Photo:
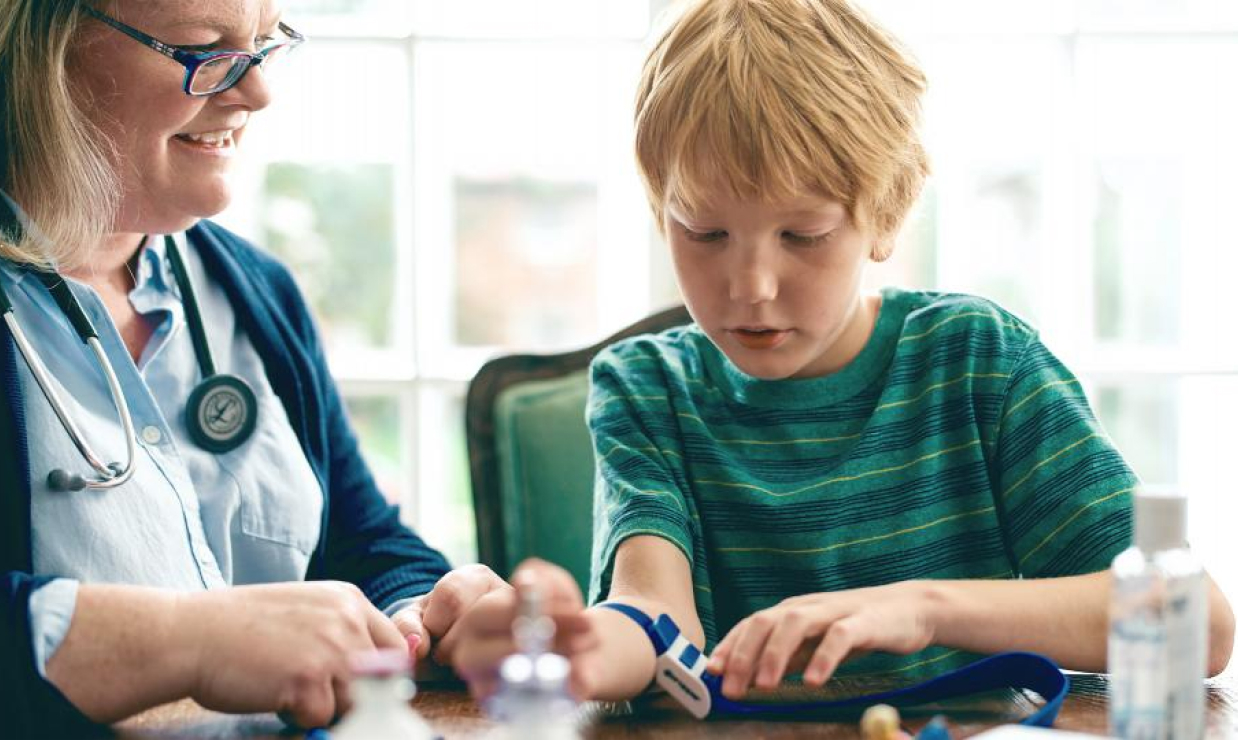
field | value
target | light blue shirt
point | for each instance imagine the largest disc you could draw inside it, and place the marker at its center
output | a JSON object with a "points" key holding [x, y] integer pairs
{"points": [[188, 520]]}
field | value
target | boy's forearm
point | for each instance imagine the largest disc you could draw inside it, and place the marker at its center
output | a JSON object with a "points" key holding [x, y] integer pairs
{"points": [[625, 652], [1065, 618]]}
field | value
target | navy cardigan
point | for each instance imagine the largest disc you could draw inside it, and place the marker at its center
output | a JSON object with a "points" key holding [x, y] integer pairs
{"points": [[362, 540]]}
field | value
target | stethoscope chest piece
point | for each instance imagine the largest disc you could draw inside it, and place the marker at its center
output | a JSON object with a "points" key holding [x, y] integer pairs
{"points": [[221, 413]]}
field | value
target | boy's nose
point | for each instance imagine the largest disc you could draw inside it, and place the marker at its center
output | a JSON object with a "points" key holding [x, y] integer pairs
{"points": [[754, 284]]}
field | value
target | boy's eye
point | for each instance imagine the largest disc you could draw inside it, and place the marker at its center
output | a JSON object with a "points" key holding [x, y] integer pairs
{"points": [[806, 240], [704, 236]]}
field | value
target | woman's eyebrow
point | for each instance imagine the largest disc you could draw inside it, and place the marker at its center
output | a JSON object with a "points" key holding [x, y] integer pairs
{"points": [[221, 25]]}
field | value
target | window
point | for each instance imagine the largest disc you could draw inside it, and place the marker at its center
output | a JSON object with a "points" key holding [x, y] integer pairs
{"points": [[450, 180]]}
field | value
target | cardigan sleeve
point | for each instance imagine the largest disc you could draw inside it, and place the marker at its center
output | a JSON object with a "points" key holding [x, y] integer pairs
{"points": [[30, 706]]}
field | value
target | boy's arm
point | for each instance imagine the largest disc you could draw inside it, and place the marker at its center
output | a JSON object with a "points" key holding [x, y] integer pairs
{"points": [[1064, 618], [653, 575]]}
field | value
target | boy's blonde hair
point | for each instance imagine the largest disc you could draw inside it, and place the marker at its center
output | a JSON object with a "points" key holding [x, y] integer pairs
{"points": [[53, 161], [778, 98]]}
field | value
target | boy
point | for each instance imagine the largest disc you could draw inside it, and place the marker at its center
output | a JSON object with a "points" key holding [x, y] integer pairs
{"points": [[809, 475]]}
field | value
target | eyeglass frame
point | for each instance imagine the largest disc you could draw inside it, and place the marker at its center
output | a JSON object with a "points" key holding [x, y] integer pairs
{"points": [[193, 60]]}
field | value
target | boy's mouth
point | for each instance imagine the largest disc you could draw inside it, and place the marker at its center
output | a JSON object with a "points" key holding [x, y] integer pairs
{"points": [[759, 337]]}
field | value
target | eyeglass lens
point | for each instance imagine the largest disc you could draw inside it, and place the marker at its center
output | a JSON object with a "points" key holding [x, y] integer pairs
{"points": [[223, 72]]}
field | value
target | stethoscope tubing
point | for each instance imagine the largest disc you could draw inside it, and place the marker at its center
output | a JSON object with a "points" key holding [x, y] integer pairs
{"points": [[112, 474]]}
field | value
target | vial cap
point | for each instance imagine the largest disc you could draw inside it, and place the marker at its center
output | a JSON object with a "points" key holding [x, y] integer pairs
{"points": [[1160, 520]]}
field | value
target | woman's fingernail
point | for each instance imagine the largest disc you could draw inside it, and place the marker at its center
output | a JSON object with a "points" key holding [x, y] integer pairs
{"points": [[414, 642]]}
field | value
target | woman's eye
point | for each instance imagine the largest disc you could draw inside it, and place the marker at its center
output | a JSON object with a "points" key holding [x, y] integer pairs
{"points": [[805, 240]]}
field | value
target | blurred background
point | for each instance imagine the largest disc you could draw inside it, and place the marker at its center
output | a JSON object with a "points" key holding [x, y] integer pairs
{"points": [[451, 180]]}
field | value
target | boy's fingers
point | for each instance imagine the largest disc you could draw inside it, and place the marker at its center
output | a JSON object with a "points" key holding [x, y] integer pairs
{"points": [[784, 640], [744, 656], [839, 640]]}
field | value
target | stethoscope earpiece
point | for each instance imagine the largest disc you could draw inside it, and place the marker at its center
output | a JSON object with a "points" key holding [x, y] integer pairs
{"points": [[63, 481]]}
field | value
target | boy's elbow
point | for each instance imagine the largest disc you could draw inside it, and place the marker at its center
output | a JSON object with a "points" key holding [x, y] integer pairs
{"points": [[1220, 632]]}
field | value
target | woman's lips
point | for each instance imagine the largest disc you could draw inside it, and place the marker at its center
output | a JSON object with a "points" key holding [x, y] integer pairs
{"points": [[760, 338]]}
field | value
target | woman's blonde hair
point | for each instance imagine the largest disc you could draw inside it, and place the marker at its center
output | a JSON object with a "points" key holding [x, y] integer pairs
{"points": [[778, 98], [53, 161]]}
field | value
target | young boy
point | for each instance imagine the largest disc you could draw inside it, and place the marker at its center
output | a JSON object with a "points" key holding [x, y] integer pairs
{"points": [[809, 475]]}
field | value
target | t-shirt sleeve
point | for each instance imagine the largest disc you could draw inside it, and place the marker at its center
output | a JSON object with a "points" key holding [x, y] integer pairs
{"points": [[1063, 488], [638, 487]]}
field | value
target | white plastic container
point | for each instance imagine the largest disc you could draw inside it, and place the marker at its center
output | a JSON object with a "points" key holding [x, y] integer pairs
{"points": [[381, 690], [1158, 628]]}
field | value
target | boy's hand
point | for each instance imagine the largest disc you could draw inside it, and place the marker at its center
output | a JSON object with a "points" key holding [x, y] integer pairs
{"points": [[483, 637], [434, 617], [817, 632]]}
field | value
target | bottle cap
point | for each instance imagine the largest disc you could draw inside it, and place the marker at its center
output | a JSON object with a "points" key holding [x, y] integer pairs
{"points": [[1160, 520]]}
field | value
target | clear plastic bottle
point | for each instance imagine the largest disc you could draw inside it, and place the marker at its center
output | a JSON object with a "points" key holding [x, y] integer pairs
{"points": [[381, 690], [533, 702], [1158, 628]]}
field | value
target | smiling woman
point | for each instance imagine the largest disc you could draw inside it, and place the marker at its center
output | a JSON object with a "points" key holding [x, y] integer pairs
{"points": [[169, 376]]}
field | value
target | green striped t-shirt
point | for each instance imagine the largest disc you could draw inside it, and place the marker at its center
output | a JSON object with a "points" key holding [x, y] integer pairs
{"points": [[955, 445]]}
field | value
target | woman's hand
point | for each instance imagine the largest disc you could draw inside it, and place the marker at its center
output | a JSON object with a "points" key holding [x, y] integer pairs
{"points": [[434, 617], [279, 647], [483, 637], [817, 632]]}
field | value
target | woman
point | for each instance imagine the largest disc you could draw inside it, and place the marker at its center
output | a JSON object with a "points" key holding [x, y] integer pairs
{"points": [[151, 545]]}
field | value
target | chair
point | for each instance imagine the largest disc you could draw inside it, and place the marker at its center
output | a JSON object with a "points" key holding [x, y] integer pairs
{"points": [[530, 456]]}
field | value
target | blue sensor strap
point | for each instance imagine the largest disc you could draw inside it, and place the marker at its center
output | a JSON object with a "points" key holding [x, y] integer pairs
{"points": [[681, 672]]}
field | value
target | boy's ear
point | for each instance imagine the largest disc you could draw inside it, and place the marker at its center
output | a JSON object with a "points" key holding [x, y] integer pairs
{"points": [[883, 247]]}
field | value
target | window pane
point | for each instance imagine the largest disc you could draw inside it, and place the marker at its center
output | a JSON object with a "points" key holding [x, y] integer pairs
{"points": [[991, 131], [1138, 251], [531, 230], [318, 18], [524, 249], [334, 227], [532, 18], [445, 498], [1142, 417], [379, 424]]}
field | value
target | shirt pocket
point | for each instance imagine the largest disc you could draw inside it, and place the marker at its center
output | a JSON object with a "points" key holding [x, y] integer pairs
{"points": [[280, 498]]}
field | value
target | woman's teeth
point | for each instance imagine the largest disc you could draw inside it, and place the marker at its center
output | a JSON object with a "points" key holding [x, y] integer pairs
{"points": [[216, 139]]}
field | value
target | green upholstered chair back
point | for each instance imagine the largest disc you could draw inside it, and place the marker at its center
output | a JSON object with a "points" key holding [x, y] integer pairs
{"points": [[530, 456]]}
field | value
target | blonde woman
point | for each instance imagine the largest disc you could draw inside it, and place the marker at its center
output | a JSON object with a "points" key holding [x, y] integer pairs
{"points": [[175, 461]]}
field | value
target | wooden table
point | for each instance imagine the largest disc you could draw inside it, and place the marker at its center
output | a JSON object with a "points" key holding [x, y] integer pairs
{"points": [[450, 710]]}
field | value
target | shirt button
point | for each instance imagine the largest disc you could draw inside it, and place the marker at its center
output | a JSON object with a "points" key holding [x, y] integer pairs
{"points": [[152, 435]]}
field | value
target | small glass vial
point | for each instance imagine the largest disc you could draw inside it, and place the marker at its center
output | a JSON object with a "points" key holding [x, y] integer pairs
{"points": [[533, 702], [1158, 628], [380, 691]]}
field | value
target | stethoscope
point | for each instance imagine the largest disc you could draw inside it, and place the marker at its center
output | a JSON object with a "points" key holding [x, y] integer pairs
{"points": [[220, 414]]}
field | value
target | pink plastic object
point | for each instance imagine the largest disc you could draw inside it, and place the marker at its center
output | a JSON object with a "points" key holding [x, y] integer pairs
{"points": [[377, 663]]}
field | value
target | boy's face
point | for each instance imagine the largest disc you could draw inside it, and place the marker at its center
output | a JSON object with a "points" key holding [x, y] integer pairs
{"points": [[776, 286]]}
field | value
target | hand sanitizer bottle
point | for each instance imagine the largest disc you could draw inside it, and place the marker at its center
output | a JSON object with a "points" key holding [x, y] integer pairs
{"points": [[532, 702], [1158, 628], [381, 690]]}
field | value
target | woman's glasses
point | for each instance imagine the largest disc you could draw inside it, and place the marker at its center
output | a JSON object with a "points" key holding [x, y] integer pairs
{"points": [[208, 72]]}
